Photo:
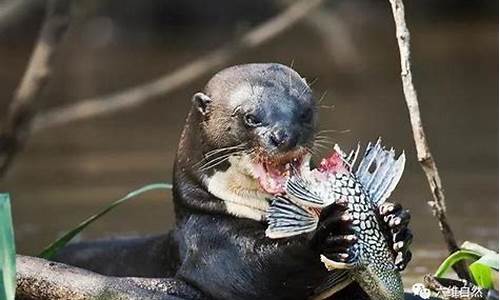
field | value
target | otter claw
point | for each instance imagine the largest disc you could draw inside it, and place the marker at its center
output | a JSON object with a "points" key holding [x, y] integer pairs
{"points": [[402, 260], [398, 246], [395, 222]]}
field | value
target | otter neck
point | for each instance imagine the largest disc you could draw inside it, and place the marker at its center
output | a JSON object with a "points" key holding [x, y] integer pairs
{"points": [[226, 190]]}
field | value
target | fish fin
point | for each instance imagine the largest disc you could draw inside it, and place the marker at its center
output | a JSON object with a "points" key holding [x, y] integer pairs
{"points": [[368, 158], [337, 149], [285, 218], [353, 156], [348, 159], [379, 171], [398, 169], [298, 190], [336, 281]]}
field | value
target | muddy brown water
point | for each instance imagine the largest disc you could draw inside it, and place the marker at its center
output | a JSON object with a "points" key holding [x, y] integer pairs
{"points": [[67, 173]]}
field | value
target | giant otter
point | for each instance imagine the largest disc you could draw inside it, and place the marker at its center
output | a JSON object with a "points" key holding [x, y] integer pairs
{"points": [[250, 124]]}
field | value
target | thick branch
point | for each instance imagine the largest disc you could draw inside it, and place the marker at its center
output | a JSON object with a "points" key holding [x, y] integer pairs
{"points": [[39, 279], [38, 72], [137, 95], [444, 286], [337, 39], [423, 151], [335, 36], [16, 12]]}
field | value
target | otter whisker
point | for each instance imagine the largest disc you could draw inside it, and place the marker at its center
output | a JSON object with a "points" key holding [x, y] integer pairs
{"points": [[334, 131], [322, 136], [313, 151], [228, 147], [218, 150], [308, 85], [318, 145], [324, 140], [321, 148], [313, 82], [324, 143], [218, 155], [327, 106], [206, 160], [214, 164], [221, 151], [218, 160], [290, 75], [322, 96]]}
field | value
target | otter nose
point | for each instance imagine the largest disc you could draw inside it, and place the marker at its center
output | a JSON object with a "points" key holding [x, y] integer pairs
{"points": [[283, 139]]}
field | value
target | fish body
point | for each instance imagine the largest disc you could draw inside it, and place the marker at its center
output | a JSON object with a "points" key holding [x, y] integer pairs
{"points": [[364, 188]]}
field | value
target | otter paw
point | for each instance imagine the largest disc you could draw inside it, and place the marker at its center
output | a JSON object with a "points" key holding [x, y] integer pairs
{"points": [[395, 221], [334, 238]]}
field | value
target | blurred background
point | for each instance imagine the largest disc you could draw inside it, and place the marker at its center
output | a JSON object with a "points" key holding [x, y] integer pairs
{"points": [[346, 47]]}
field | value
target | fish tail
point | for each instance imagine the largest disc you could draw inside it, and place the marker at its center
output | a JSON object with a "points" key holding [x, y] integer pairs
{"points": [[381, 284]]}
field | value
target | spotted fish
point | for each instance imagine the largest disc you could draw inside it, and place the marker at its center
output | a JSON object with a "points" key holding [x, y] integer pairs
{"points": [[364, 187]]}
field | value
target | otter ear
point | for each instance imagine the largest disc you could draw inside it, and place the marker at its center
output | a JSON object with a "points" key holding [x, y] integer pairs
{"points": [[201, 101]]}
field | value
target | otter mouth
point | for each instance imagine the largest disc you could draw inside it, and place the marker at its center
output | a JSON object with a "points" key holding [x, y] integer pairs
{"points": [[272, 171]]}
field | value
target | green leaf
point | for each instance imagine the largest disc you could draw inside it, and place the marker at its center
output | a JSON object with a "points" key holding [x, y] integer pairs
{"points": [[481, 269], [455, 257], [485, 260], [7, 251], [482, 274], [488, 257], [52, 249]]}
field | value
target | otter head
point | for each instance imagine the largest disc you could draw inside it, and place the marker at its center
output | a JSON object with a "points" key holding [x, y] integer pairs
{"points": [[255, 122]]}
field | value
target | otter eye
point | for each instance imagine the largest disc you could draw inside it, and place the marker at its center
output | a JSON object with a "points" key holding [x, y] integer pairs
{"points": [[252, 120], [306, 115]]}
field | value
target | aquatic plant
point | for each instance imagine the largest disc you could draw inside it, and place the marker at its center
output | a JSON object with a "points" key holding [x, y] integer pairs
{"points": [[484, 263], [52, 249], [7, 251]]}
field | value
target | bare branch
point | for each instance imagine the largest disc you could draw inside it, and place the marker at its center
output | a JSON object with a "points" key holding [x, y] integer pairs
{"points": [[40, 279], [137, 95], [334, 35], [423, 151], [336, 38], [38, 72], [442, 286]]}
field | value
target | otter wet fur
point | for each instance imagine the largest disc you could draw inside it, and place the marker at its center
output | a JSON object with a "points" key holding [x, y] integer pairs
{"points": [[248, 126], [364, 187]]}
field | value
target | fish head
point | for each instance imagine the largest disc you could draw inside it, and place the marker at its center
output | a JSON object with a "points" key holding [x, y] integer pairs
{"points": [[332, 164]]}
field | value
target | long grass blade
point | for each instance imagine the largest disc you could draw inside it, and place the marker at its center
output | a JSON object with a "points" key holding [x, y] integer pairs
{"points": [[52, 249], [7, 251], [485, 261], [454, 258]]}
